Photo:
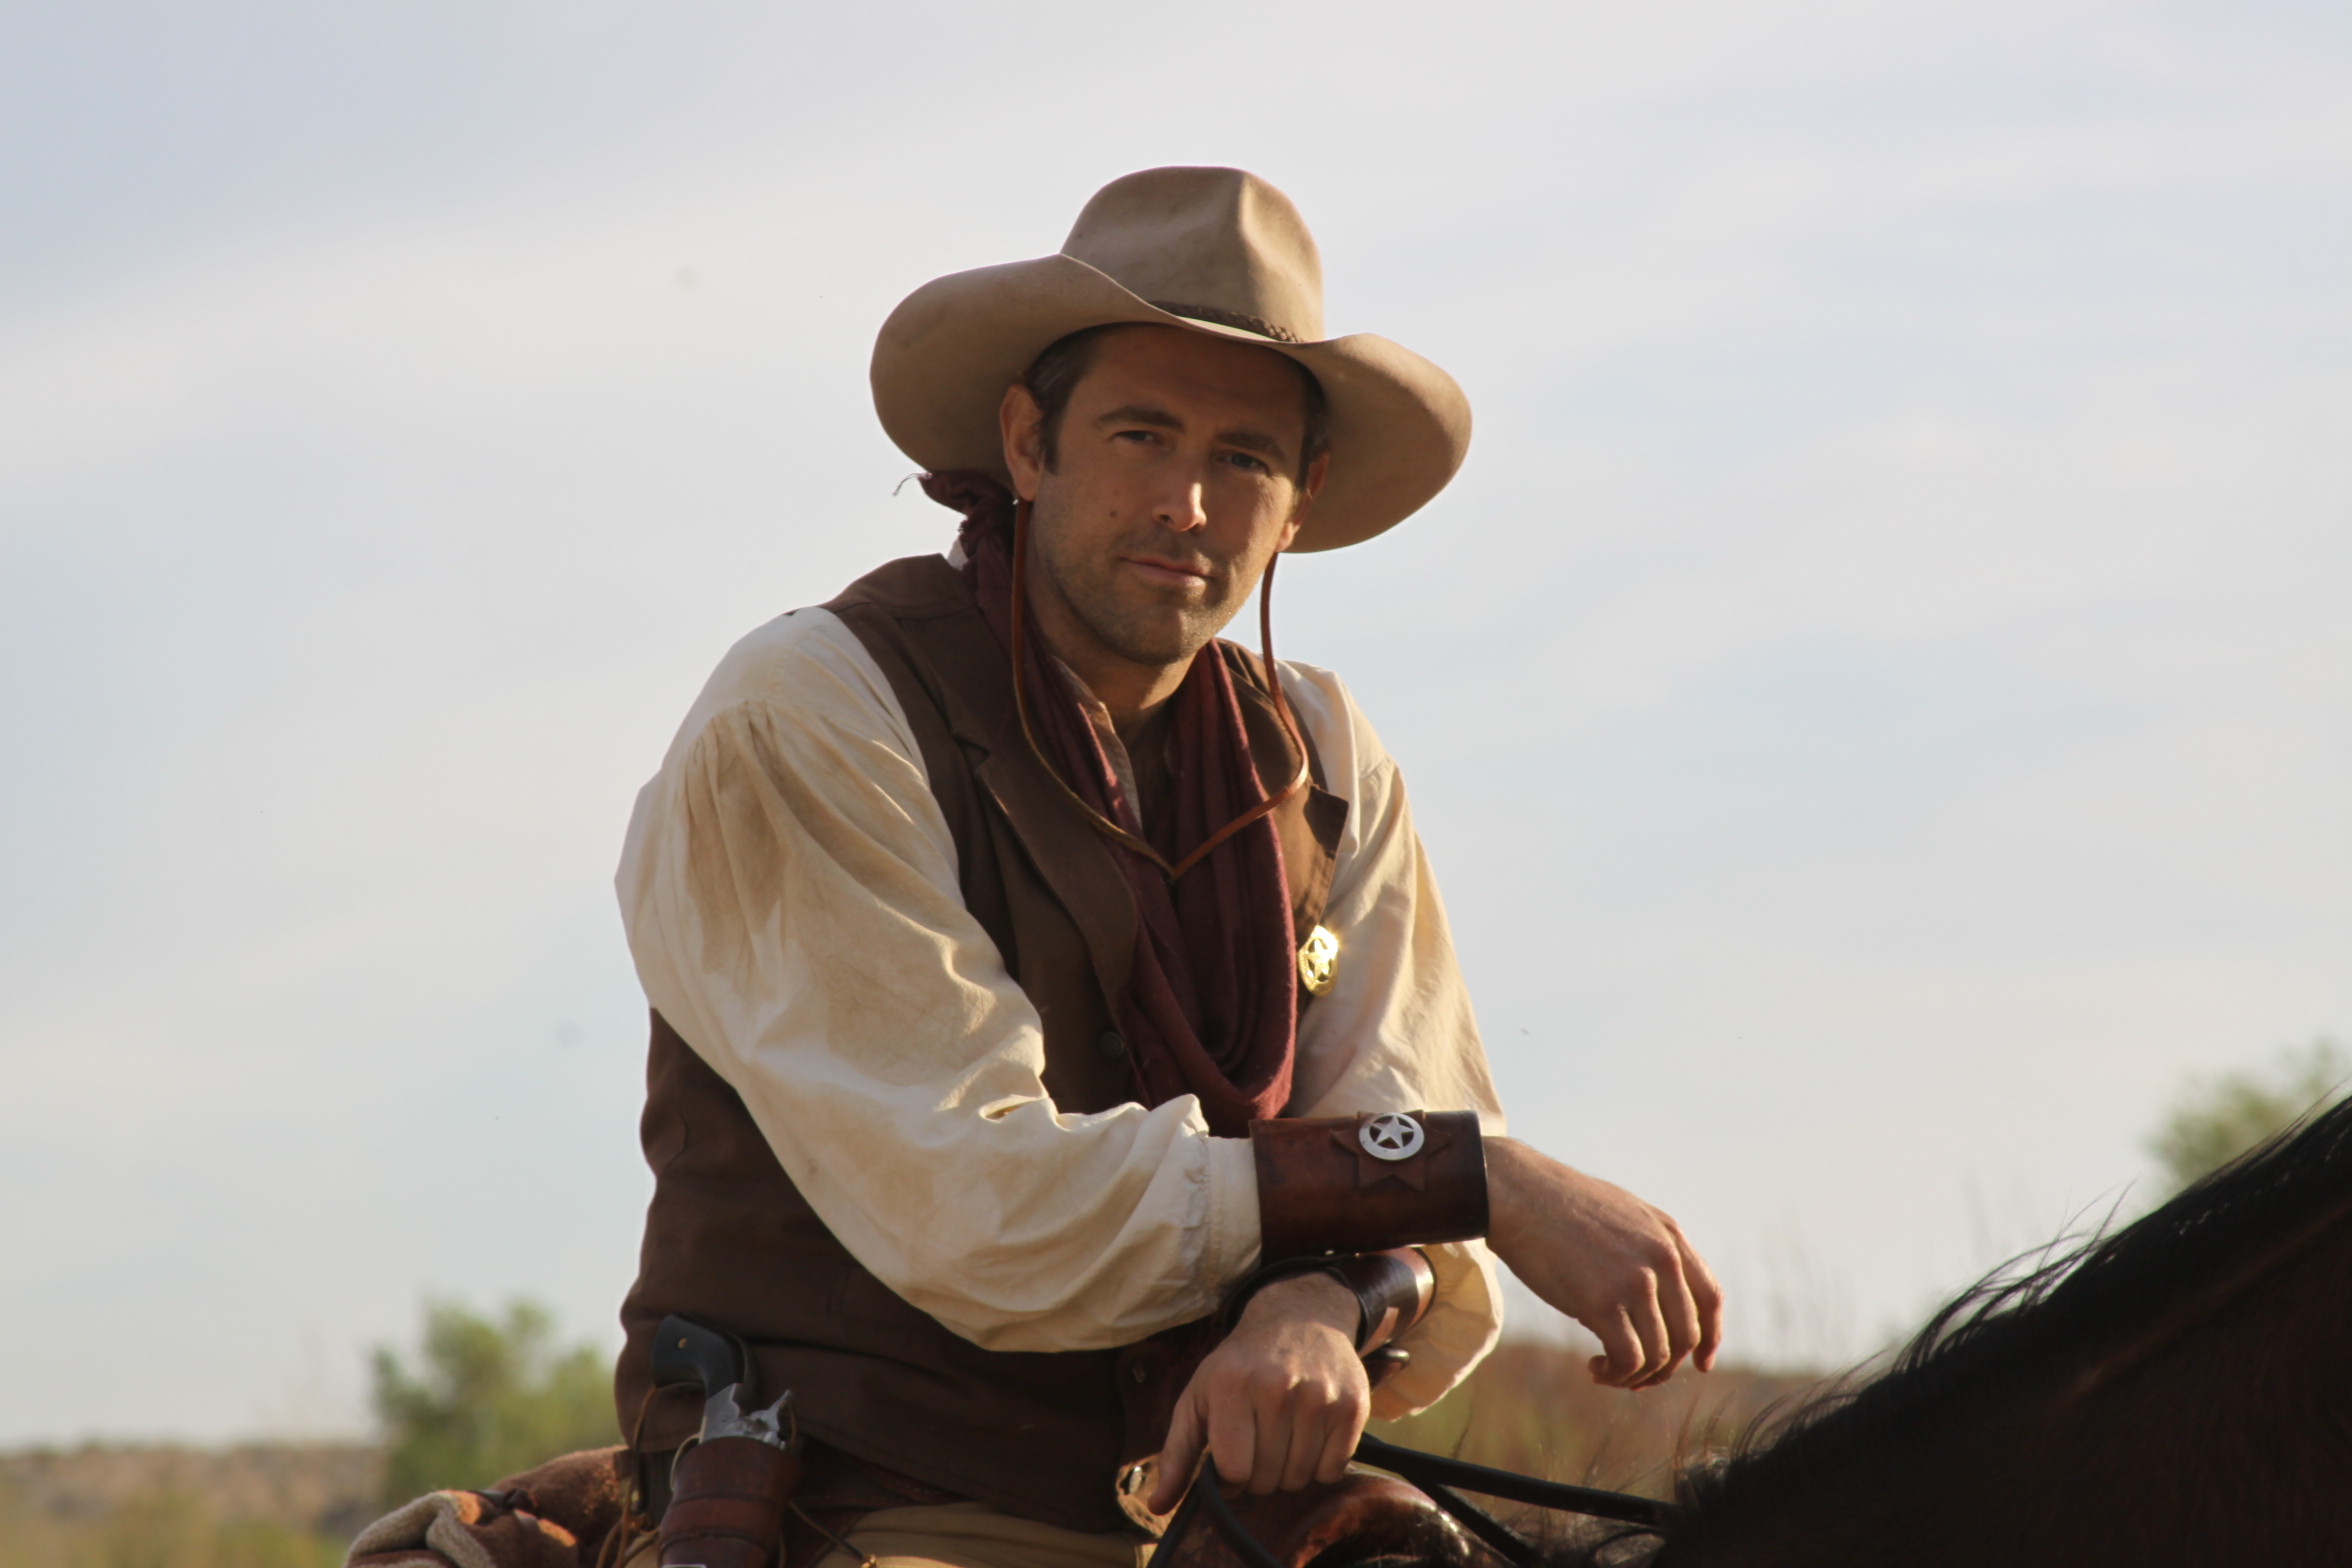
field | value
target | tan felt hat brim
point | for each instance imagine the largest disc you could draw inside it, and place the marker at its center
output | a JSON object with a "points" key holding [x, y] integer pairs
{"points": [[1399, 425]]}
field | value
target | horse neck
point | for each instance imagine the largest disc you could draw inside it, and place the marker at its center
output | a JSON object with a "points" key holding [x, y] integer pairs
{"points": [[2210, 1431]]}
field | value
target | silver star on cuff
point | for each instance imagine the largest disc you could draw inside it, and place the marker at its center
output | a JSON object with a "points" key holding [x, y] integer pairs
{"points": [[1392, 1135]]}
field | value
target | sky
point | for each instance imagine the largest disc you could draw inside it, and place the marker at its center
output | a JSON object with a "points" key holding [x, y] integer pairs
{"points": [[1878, 697]]}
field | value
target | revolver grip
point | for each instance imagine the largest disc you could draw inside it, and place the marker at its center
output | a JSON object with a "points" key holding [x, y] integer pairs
{"points": [[689, 1351]]}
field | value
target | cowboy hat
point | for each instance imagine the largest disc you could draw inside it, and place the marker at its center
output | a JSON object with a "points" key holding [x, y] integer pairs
{"points": [[1209, 250]]}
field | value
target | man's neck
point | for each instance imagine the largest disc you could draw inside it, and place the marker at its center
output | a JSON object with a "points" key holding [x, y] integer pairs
{"points": [[1137, 753], [1132, 692], [1133, 704]]}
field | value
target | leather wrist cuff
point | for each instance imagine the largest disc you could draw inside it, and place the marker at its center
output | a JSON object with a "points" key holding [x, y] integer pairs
{"points": [[1368, 1183], [1392, 1290]]}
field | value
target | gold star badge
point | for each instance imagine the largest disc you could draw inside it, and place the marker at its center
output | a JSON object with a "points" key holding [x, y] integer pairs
{"points": [[1318, 960]]}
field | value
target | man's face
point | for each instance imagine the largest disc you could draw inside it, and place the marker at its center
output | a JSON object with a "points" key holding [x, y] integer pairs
{"points": [[1176, 481]]}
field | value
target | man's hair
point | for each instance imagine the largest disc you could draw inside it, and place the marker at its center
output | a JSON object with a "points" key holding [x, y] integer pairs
{"points": [[1056, 372]]}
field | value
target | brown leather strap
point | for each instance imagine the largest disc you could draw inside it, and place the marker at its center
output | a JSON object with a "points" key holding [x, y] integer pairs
{"points": [[1368, 1183], [1392, 1290], [1104, 825], [811, 1533]]}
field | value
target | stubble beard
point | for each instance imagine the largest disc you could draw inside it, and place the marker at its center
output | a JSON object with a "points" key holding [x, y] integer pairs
{"points": [[1127, 623]]}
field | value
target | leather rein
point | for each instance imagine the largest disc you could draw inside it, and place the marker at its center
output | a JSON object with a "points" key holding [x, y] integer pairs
{"points": [[1439, 1477]]}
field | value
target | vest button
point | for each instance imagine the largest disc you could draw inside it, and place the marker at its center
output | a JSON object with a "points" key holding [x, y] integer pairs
{"points": [[1135, 1369], [1111, 1046]]}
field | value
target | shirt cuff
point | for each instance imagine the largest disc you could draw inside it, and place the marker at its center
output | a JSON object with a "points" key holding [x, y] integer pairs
{"points": [[1232, 1250], [1461, 1326]]}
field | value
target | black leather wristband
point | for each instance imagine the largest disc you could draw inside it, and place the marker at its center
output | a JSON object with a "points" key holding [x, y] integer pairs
{"points": [[1392, 1290]]}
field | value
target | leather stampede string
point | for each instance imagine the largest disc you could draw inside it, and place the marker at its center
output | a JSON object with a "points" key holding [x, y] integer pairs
{"points": [[1103, 823]]}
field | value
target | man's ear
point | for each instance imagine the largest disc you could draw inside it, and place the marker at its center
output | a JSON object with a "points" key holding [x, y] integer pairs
{"points": [[1316, 473], [1022, 425]]}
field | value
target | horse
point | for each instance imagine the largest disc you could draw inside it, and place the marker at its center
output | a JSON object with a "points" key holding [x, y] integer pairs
{"points": [[2176, 1392]]}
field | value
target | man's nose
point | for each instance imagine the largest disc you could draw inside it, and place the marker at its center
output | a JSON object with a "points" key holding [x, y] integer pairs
{"points": [[1183, 505]]}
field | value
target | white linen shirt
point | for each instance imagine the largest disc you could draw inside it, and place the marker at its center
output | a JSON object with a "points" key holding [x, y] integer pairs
{"points": [[790, 890]]}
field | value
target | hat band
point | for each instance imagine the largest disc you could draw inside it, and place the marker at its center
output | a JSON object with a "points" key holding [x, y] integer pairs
{"points": [[1235, 319]]}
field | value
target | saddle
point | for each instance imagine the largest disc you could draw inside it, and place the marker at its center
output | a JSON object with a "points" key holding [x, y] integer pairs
{"points": [[1360, 1518], [565, 1513]]}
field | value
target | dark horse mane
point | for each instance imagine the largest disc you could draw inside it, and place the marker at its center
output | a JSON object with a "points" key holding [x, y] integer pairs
{"points": [[2071, 1321]]}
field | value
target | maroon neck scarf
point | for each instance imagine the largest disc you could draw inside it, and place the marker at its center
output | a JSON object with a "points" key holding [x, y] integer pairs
{"points": [[1211, 1008]]}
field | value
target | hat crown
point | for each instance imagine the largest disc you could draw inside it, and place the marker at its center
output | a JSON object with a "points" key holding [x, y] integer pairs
{"points": [[1219, 245]]}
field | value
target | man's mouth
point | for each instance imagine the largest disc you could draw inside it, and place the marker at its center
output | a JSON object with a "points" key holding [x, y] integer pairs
{"points": [[1166, 573]]}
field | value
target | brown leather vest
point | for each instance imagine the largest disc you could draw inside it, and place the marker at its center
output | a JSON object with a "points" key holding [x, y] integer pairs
{"points": [[729, 1238]]}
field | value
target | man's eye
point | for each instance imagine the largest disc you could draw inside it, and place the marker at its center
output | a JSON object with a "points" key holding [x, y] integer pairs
{"points": [[1256, 465]]}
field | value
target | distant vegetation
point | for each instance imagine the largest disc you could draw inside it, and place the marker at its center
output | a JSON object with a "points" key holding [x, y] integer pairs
{"points": [[481, 1397], [159, 1530], [2218, 1120], [487, 1397], [255, 1505]]}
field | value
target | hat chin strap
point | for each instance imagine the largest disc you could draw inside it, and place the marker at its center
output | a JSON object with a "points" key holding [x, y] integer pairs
{"points": [[1103, 824]]}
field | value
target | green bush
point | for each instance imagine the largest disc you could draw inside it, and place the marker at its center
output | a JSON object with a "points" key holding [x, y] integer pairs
{"points": [[488, 1397], [2215, 1122]]}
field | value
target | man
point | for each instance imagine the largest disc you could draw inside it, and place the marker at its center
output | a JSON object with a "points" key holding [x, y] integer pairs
{"points": [[1030, 969]]}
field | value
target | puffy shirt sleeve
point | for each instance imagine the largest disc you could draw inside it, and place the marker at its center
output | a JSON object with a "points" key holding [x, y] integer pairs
{"points": [[789, 888], [1395, 1032]]}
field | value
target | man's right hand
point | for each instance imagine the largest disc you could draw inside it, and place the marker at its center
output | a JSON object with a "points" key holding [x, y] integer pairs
{"points": [[1281, 1402], [1612, 1262]]}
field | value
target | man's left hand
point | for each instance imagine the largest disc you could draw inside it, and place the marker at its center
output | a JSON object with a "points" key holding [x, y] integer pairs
{"points": [[1281, 1402]]}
